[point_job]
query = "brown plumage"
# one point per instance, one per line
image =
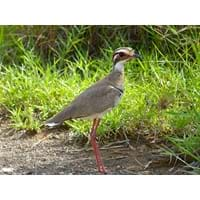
(98, 99)
(90, 101)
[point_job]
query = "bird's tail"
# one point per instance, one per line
(59, 118)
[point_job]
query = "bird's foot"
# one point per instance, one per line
(102, 169)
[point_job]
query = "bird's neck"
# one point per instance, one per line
(119, 66)
(117, 76)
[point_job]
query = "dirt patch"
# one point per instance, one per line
(56, 153)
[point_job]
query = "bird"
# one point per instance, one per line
(98, 99)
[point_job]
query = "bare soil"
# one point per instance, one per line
(56, 152)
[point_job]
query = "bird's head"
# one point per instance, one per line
(124, 54)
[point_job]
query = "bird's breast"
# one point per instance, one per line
(118, 95)
(120, 81)
(117, 99)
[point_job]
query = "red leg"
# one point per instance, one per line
(100, 164)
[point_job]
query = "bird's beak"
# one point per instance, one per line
(136, 55)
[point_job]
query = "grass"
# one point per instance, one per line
(162, 91)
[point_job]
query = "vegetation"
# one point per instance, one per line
(43, 68)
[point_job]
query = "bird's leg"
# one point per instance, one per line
(100, 164)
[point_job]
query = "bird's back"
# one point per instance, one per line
(97, 99)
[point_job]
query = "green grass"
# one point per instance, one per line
(162, 91)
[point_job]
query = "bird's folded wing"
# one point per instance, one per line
(95, 100)
(92, 101)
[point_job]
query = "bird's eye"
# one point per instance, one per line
(121, 54)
